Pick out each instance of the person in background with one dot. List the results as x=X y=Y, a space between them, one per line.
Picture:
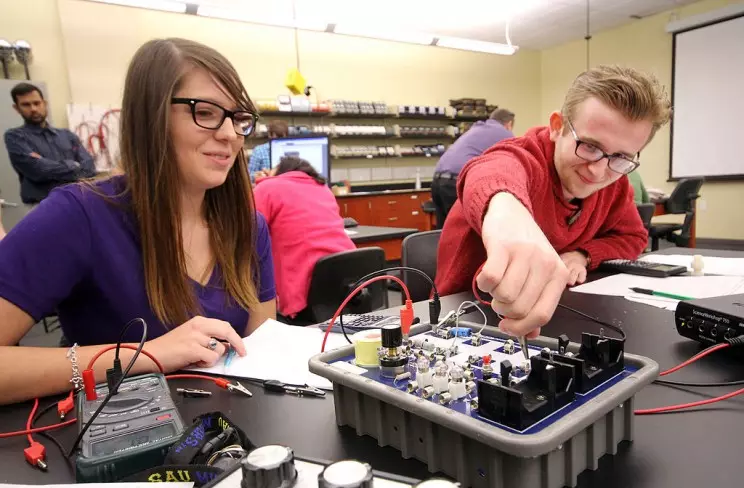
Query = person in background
x=305 y=225
x=536 y=212
x=174 y=240
x=2 y=227
x=481 y=136
x=260 y=162
x=44 y=157
x=640 y=195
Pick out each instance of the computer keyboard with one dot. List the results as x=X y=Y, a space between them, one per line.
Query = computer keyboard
x=642 y=268
x=356 y=323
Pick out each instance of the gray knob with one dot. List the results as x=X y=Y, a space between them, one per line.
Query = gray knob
x=269 y=467
x=437 y=483
x=346 y=474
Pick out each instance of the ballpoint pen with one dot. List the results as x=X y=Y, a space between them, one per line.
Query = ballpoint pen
x=230 y=355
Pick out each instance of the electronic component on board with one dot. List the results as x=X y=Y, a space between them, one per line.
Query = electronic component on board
x=392 y=361
x=457 y=383
x=424 y=374
x=441 y=380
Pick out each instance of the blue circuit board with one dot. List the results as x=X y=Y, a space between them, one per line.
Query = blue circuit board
x=495 y=348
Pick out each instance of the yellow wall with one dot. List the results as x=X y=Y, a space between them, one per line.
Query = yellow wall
x=81 y=50
x=37 y=21
x=338 y=66
x=644 y=44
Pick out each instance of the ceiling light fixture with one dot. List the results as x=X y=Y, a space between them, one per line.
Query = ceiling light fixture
x=387 y=35
x=478 y=46
x=164 y=5
x=245 y=16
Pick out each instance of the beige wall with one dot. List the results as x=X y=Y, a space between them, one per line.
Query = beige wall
x=339 y=66
x=37 y=21
x=81 y=49
x=644 y=44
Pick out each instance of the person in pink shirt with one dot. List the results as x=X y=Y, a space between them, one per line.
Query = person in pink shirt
x=305 y=225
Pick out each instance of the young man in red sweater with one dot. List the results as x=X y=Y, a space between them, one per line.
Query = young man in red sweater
x=537 y=211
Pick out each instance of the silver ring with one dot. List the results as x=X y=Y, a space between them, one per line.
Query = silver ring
x=212 y=343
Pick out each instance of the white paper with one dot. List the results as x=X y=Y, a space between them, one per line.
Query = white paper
x=711 y=265
x=654 y=301
x=277 y=351
x=688 y=286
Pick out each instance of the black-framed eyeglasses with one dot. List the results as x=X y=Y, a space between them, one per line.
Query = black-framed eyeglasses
x=619 y=163
x=209 y=115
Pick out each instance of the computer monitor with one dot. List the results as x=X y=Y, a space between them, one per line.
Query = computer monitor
x=314 y=150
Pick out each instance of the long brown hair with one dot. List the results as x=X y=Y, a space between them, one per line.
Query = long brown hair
x=148 y=160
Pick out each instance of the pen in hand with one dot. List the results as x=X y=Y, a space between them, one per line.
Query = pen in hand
x=230 y=355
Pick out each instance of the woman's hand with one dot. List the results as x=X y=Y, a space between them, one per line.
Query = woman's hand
x=188 y=344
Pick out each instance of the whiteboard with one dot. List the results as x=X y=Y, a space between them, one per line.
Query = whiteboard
x=708 y=91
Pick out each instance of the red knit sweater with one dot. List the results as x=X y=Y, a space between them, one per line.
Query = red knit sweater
x=608 y=227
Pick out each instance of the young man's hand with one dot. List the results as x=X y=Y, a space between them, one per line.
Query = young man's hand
x=576 y=262
x=523 y=273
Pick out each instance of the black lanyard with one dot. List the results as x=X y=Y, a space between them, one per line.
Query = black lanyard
x=187 y=458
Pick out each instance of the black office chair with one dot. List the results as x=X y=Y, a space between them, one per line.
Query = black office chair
x=420 y=252
x=331 y=283
x=646 y=211
x=680 y=202
x=430 y=210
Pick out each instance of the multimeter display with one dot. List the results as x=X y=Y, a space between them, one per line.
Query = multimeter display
x=125 y=442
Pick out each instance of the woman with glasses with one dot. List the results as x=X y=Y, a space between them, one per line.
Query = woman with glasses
x=174 y=239
x=535 y=213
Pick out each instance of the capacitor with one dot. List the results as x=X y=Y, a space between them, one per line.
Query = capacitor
x=269 y=467
x=346 y=474
x=402 y=376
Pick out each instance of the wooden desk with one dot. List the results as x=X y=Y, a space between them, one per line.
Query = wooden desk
x=661 y=210
x=390 y=239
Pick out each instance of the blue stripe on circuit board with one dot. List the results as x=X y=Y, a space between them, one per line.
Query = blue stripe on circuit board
x=463 y=405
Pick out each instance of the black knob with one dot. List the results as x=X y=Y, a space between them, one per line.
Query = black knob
x=392 y=336
x=346 y=474
x=269 y=467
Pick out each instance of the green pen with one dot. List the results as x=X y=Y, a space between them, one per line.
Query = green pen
x=646 y=291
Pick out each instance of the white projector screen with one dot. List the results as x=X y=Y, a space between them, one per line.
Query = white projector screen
x=708 y=97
